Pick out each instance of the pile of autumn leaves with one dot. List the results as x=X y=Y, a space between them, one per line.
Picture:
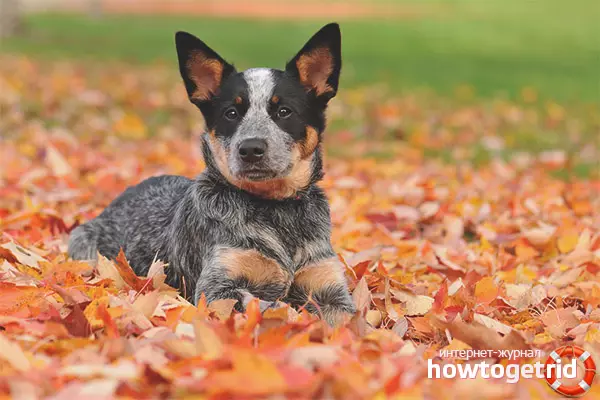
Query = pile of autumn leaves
x=438 y=257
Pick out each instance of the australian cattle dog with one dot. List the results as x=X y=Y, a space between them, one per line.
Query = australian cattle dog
x=254 y=223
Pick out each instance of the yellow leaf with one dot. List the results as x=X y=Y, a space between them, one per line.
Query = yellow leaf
x=130 y=126
x=543 y=338
x=592 y=335
x=91 y=311
x=566 y=243
x=486 y=290
x=485 y=244
x=526 y=274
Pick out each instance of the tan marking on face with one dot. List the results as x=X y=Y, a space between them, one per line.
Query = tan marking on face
x=315 y=277
x=278 y=189
x=253 y=266
x=275 y=99
x=315 y=68
x=310 y=143
x=238 y=100
x=282 y=188
x=206 y=73
x=219 y=154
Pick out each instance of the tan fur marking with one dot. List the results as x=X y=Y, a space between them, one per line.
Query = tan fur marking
x=206 y=73
x=279 y=189
x=275 y=99
x=219 y=154
x=282 y=188
x=310 y=143
x=314 y=69
x=238 y=100
x=315 y=277
x=253 y=266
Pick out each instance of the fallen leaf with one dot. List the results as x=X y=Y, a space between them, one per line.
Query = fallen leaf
x=208 y=343
x=13 y=355
x=414 y=304
x=23 y=256
x=361 y=296
x=486 y=290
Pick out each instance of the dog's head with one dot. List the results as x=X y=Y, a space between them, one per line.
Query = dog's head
x=264 y=125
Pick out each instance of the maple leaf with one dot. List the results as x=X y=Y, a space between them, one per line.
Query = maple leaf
x=126 y=272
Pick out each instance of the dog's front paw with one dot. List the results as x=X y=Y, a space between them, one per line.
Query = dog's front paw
x=337 y=316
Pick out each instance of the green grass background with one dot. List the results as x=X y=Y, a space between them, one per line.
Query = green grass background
x=497 y=47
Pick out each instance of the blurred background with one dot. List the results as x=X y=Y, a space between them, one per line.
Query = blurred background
x=451 y=79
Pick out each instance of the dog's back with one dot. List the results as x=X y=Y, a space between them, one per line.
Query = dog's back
x=139 y=217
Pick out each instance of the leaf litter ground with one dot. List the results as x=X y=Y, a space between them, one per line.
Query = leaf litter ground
x=438 y=256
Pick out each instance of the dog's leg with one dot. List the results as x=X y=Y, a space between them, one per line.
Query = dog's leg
x=242 y=274
x=321 y=286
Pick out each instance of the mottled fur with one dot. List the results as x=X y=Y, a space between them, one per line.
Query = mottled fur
x=259 y=227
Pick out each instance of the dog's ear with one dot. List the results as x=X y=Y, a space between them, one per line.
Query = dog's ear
x=202 y=69
x=317 y=66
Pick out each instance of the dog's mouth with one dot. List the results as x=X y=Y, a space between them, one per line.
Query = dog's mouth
x=258 y=175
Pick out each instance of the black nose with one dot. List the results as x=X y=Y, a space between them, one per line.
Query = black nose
x=252 y=150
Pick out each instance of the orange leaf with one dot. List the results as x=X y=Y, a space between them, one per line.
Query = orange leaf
x=129 y=276
x=486 y=290
x=109 y=324
x=16 y=300
x=254 y=316
x=208 y=343
x=265 y=376
x=525 y=252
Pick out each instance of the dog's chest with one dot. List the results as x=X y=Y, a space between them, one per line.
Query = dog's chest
x=286 y=231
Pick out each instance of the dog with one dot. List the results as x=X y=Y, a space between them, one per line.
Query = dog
x=254 y=223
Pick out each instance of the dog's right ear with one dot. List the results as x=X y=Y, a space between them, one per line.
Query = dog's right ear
x=202 y=69
x=317 y=66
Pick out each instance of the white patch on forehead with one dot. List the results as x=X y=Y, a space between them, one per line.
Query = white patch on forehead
x=260 y=87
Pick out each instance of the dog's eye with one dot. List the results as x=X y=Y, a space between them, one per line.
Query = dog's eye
x=231 y=114
x=283 y=112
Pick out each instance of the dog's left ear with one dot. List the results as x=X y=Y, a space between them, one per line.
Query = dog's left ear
x=202 y=69
x=317 y=66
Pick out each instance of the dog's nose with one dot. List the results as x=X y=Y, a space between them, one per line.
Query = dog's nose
x=252 y=150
